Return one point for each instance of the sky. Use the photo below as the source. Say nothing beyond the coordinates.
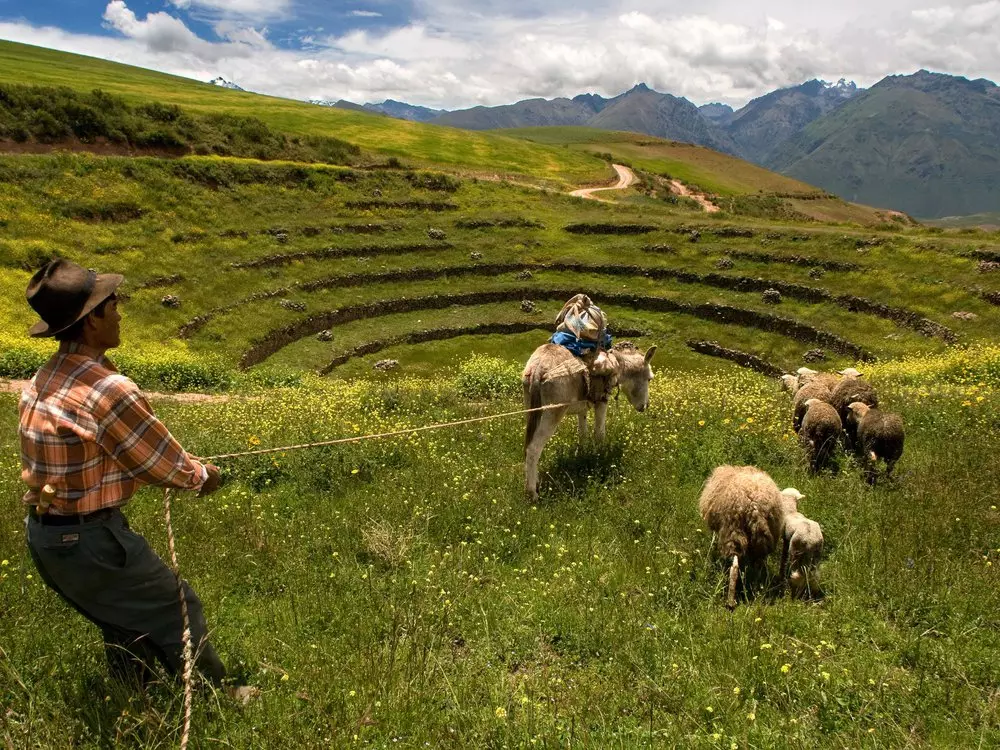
(461, 53)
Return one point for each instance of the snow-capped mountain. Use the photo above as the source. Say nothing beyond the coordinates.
(223, 83)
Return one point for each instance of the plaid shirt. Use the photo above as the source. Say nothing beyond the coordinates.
(89, 433)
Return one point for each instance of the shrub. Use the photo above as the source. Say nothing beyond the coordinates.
(483, 377)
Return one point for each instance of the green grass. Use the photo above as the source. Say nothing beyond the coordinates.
(399, 593)
(420, 144)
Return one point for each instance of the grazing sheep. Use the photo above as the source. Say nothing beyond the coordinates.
(813, 389)
(821, 429)
(829, 379)
(790, 383)
(852, 388)
(801, 549)
(742, 506)
(879, 436)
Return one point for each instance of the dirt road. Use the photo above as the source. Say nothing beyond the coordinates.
(626, 177)
(679, 188)
(16, 386)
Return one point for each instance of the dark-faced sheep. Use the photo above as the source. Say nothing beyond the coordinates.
(879, 436)
(801, 549)
(743, 507)
(852, 388)
(821, 431)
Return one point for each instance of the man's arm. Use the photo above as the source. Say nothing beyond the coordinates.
(141, 444)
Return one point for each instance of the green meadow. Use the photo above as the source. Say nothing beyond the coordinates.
(402, 592)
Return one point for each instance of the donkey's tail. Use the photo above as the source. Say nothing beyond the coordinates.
(532, 400)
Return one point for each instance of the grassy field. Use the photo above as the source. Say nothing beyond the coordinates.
(420, 144)
(733, 183)
(402, 593)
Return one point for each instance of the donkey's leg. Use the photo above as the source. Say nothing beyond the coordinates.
(600, 420)
(546, 428)
(581, 423)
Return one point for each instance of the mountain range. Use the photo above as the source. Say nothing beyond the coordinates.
(924, 143)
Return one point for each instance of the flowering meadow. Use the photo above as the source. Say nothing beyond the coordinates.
(403, 593)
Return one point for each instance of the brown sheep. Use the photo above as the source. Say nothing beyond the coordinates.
(829, 379)
(880, 435)
(852, 388)
(821, 430)
(743, 507)
(814, 389)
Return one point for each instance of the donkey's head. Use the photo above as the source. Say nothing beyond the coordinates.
(634, 372)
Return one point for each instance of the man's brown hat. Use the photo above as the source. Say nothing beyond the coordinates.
(62, 292)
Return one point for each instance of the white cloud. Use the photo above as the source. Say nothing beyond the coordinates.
(465, 52)
(366, 14)
(255, 9)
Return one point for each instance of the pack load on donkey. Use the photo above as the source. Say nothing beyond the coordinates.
(582, 327)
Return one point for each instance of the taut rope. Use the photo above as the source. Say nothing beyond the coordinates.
(188, 650)
(396, 433)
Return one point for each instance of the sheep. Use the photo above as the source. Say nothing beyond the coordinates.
(880, 435)
(852, 388)
(814, 389)
(789, 383)
(802, 547)
(821, 429)
(742, 507)
(829, 379)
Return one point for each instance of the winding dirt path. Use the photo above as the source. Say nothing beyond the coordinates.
(16, 386)
(679, 188)
(626, 177)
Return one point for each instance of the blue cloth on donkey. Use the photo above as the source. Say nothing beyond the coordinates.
(581, 327)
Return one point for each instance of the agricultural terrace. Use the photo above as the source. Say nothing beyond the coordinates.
(402, 593)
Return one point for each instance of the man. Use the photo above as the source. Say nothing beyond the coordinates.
(89, 440)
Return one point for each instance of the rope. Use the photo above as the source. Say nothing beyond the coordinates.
(396, 433)
(187, 651)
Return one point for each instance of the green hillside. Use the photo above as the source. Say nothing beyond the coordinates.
(420, 144)
(401, 592)
(744, 185)
(924, 144)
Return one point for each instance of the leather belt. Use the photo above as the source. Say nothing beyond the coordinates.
(48, 519)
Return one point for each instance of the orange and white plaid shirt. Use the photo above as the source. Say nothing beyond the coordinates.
(88, 432)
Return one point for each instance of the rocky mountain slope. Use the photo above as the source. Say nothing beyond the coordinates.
(926, 144)
(770, 120)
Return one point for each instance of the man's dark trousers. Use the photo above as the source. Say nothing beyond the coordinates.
(114, 579)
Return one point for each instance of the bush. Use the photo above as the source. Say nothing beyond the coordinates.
(483, 377)
(57, 114)
(20, 363)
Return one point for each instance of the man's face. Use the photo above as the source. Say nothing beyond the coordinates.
(106, 329)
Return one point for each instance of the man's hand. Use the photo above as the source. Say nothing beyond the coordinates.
(214, 480)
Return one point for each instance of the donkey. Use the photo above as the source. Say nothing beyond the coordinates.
(554, 375)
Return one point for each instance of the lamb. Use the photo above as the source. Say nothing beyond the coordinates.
(880, 435)
(821, 429)
(812, 390)
(743, 507)
(801, 549)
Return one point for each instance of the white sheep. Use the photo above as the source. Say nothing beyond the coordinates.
(743, 507)
(802, 547)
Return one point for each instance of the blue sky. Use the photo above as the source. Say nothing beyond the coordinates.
(457, 53)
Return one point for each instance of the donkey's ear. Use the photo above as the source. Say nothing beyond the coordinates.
(649, 353)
